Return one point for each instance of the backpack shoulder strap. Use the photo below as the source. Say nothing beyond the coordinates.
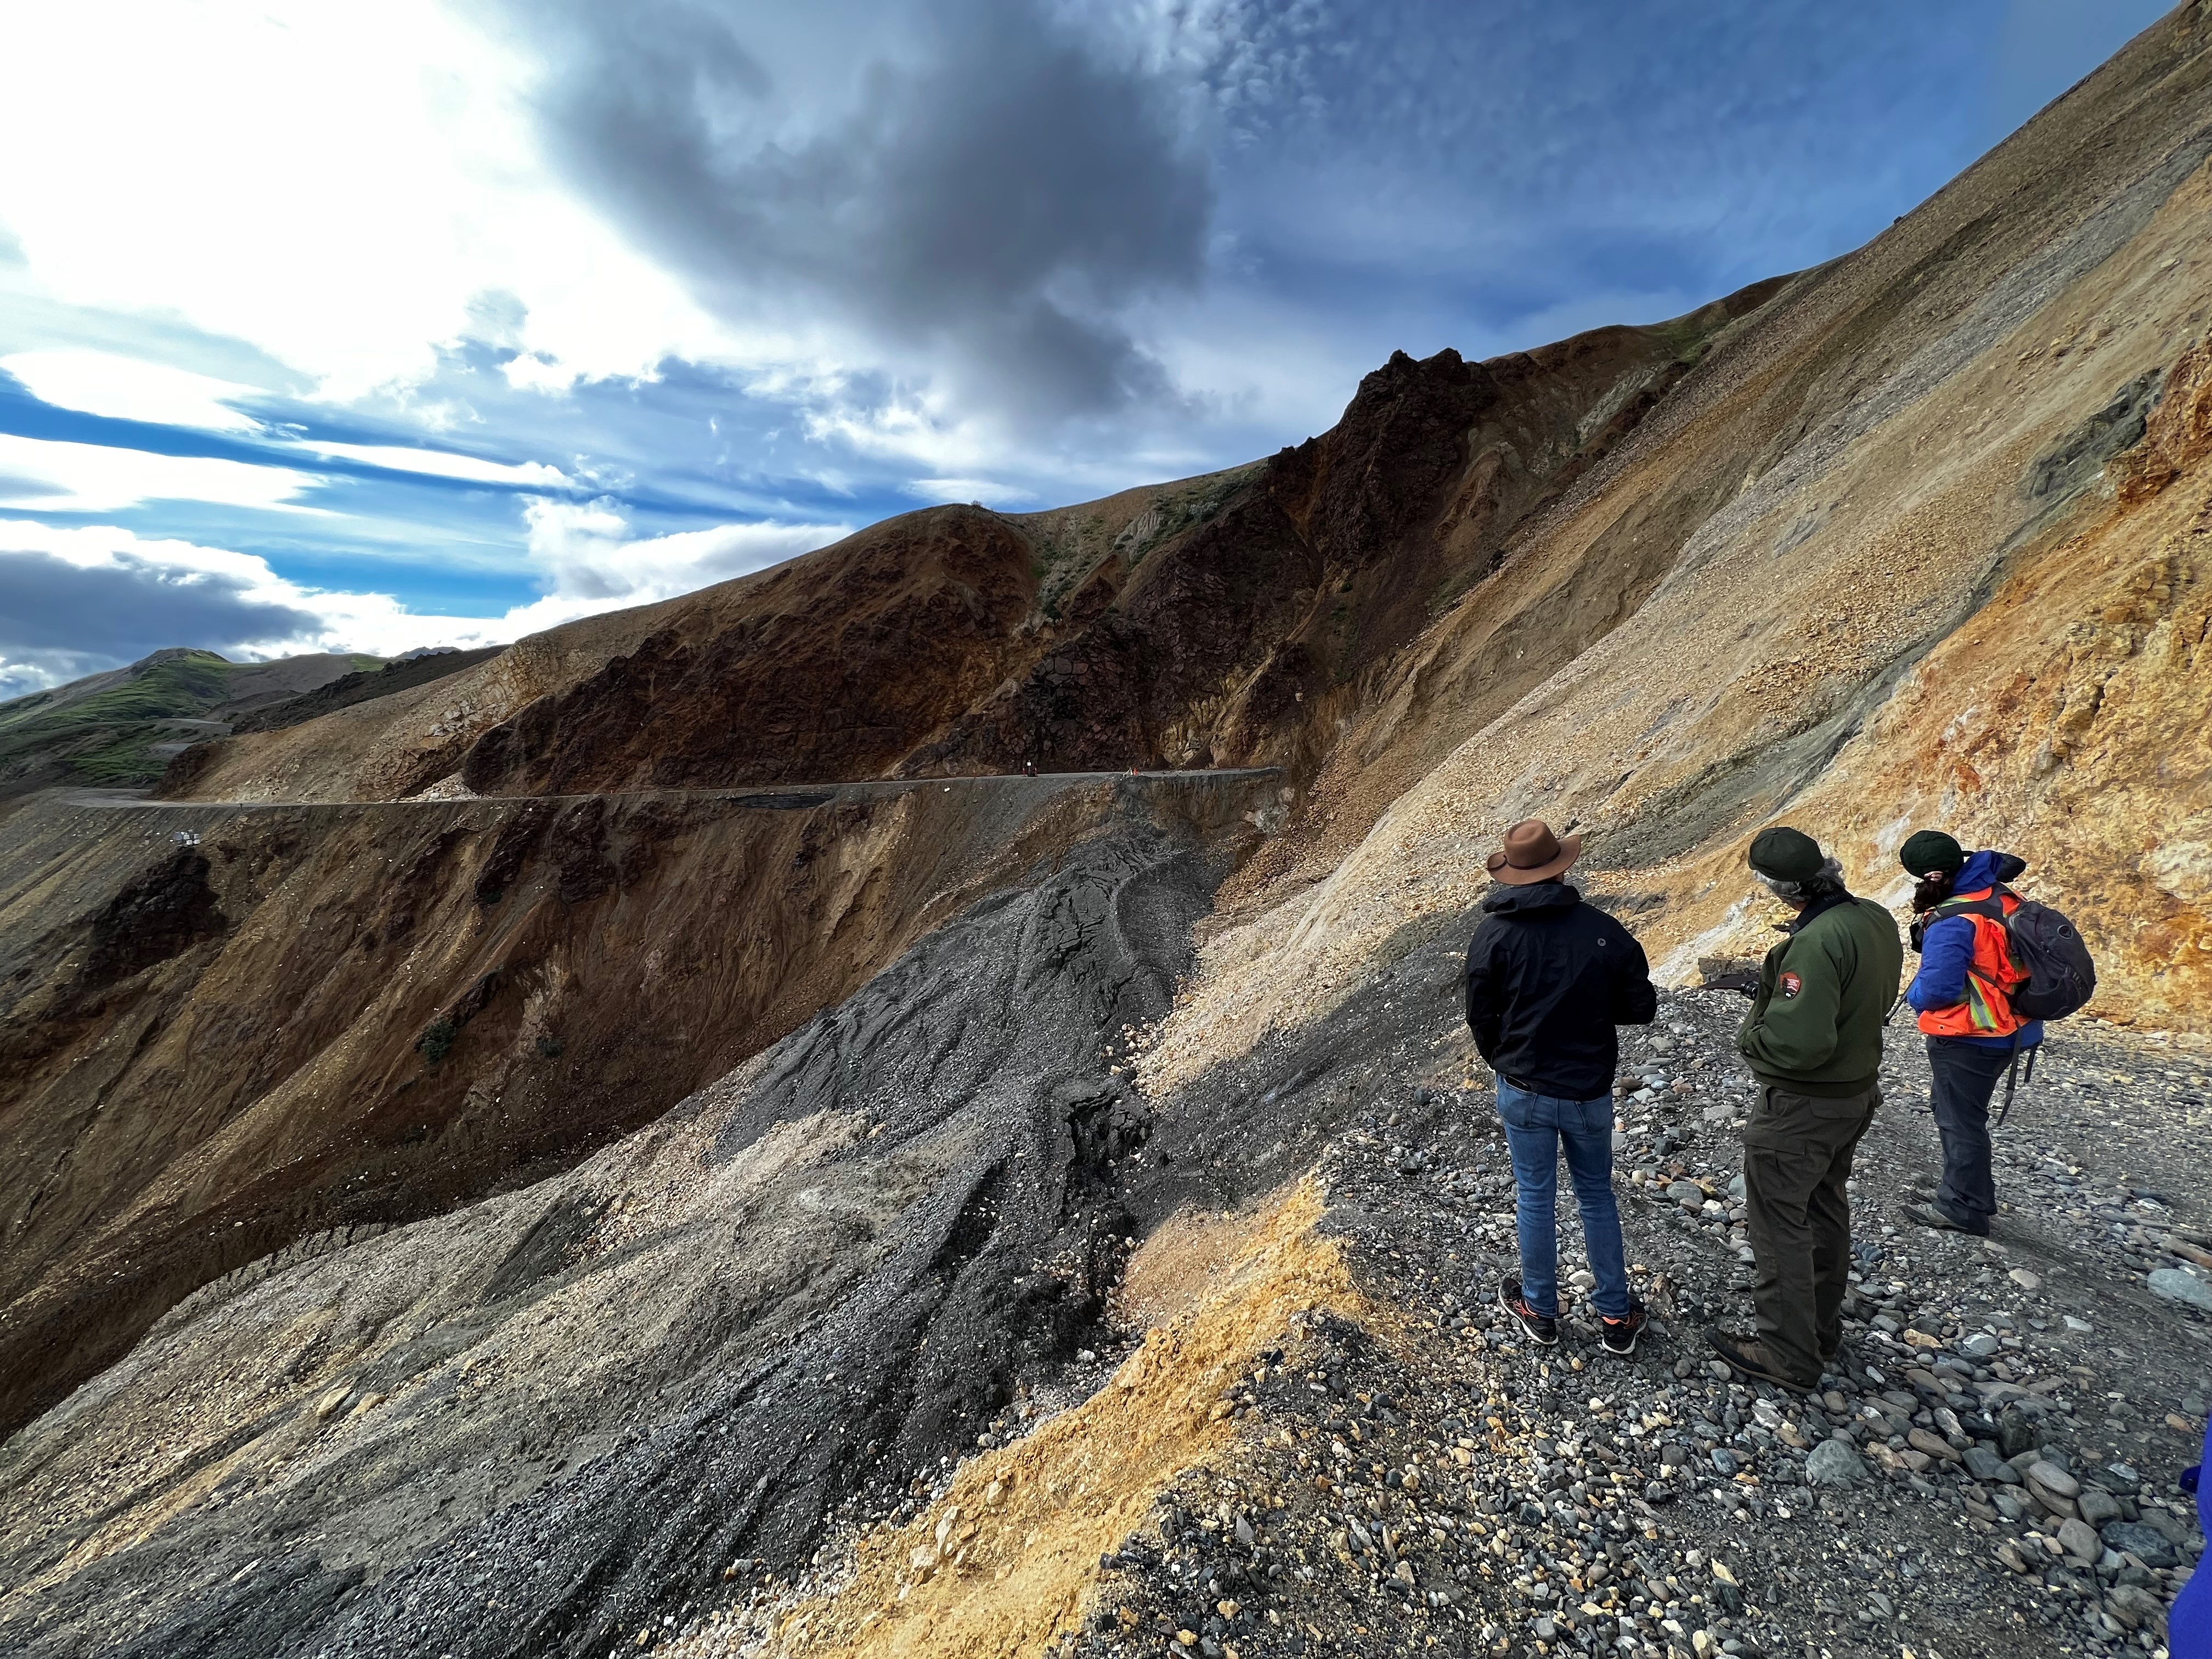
(1991, 907)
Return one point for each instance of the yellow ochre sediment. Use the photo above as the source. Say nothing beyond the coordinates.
(1006, 1558)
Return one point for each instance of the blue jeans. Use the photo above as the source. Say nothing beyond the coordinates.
(1538, 1128)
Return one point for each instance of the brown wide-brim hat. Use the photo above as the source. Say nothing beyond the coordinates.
(1532, 852)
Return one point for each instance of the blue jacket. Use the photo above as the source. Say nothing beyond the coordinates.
(2189, 1623)
(1947, 946)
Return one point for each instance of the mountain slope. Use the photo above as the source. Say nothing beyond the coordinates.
(121, 728)
(364, 686)
(1931, 443)
(1199, 622)
(904, 1069)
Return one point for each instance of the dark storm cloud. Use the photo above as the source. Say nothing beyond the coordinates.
(110, 614)
(1001, 195)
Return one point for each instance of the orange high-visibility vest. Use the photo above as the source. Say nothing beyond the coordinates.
(1991, 976)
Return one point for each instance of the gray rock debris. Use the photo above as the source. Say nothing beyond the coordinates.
(591, 1394)
(2179, 1284)
(1833, 1463)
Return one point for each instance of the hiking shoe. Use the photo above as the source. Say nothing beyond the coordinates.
(1619, 1335)
(1929, 1215)
(1750, 1359)
(1543, 1329)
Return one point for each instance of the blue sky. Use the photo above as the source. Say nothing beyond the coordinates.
(444, 320)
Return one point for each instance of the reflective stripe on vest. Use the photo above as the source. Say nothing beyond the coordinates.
(1986, 1010)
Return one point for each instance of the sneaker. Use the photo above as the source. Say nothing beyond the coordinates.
(1619, 1335)
(1750, 1359)
(1543, 1329)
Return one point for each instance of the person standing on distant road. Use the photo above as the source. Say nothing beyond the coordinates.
(1548, 978)
(1813, 1040)
(1962, 996)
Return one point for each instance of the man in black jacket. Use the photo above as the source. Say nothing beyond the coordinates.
(1548, 978)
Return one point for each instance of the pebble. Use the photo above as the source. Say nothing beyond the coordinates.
(2025, 1280)
(1933, 1444)
(1986, 1466)
(2053, 1479)
(2175, 1285)
(2080, 1539)
(1834, 1464)
(2152, 1547)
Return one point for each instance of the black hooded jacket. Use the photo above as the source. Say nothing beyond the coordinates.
(1548, 978)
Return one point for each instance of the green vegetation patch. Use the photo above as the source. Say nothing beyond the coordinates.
(103, 739)
(1069, 547)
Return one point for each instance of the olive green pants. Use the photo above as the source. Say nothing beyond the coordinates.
(1796, 1156)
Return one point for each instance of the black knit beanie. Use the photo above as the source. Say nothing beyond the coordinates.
(1927, 851)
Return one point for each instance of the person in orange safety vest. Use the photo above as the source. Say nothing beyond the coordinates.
(1962, 994)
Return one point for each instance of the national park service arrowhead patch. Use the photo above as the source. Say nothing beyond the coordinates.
(1791, 985)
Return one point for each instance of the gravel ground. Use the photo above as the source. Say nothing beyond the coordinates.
(1995, 1467)
(1429, 1482)
(1442, 1484)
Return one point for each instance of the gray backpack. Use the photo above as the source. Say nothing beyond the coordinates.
(2062, 976)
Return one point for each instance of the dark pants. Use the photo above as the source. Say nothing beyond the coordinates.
(1964, 1077)
(1796, 1156)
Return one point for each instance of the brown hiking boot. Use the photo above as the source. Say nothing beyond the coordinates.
(1749, 1358)
(1934, 1215)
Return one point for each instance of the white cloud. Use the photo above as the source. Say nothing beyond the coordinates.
(130, 389)
(532, 371)
(334, 184)
(75, 600)
(42, 475)
(257, 613)
(588, 557)
(442, 464)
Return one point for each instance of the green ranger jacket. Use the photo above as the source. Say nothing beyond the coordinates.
(1823, 995)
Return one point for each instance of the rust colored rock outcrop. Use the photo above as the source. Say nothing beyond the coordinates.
(1219, 621)
(823, 669)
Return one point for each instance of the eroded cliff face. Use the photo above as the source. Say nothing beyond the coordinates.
(1221, 621)
(225, 1030)
(1915, 544)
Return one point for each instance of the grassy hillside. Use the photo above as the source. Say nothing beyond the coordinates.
(119, 730)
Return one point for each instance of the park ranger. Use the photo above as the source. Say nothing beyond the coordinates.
(1813, 1040)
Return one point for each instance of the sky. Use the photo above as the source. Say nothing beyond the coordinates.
(439, 322)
